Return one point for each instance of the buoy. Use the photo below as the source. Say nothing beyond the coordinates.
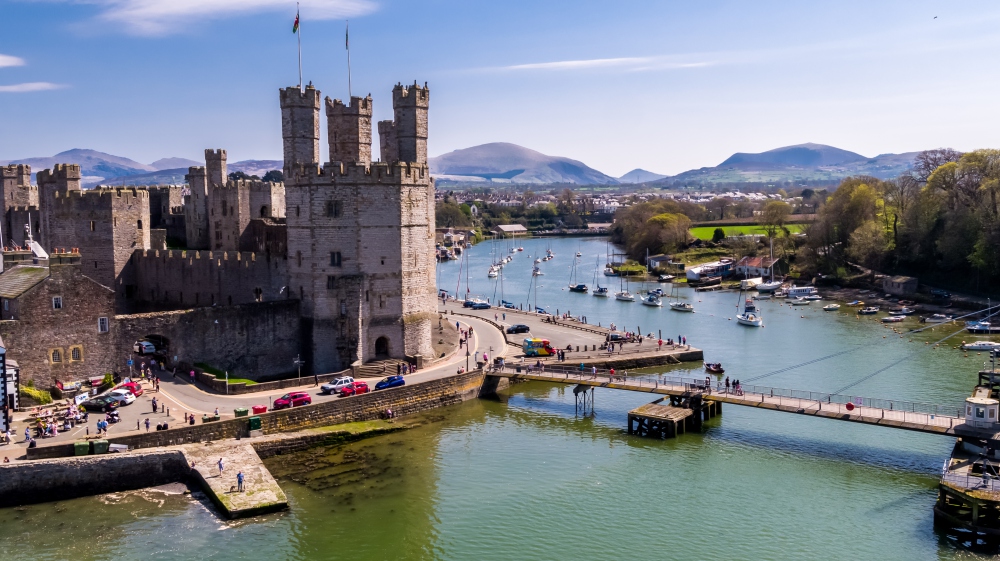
(883, 336)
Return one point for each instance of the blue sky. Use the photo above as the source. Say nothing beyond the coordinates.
(666, 86)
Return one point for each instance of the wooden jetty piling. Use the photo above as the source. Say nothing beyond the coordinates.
(685, 412)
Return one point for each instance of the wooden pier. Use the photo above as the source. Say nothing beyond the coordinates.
(685, 412)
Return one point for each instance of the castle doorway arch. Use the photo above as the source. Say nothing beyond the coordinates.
(382, 347)
(265, 212)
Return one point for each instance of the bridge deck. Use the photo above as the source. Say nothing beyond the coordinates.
(887, 413)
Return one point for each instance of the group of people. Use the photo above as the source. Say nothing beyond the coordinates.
(404, 368)
(737, 387)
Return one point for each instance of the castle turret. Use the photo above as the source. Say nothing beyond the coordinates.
(215, 166)
(349, 130)
(196, 208)
(409, 106)
(300, 127)
(16, 191)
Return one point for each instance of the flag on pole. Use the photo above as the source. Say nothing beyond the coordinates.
(295, 26)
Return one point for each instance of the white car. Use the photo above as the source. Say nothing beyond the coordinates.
(336, 385)
(122, 396)
(144, 347)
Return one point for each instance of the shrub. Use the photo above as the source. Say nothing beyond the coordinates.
(718, 235)
(41, 397)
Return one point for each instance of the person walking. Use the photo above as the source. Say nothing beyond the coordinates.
(154, 405)
(727, 384)
(239, 481)
(221, 467)
(147, 424)
(505, 316)
(192, 376)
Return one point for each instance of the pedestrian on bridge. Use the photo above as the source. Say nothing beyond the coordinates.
(727, 384)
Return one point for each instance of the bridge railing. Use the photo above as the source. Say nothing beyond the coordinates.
(969, 481)
(897, 409)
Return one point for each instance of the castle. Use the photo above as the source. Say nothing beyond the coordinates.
(335, 265)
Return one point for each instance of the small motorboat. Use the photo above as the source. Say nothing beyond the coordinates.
(578, 254)
(714, 368)
(625, 296)
(937, 318)
(652, 300)
(831, 307)
(980, 346)
(681, 307)
(656, 291)
(609, 271)
(904, 311)
(665, 278)
(536, 272)
(812, 297)
(537, 261)
(800, 302)
(869, 311)
(893, 319)
(856, 303)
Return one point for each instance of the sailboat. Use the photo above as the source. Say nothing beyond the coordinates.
(750, 316)
(652, 299)
(601, 291)
(677, 305)
(573, 285)
(624, 295)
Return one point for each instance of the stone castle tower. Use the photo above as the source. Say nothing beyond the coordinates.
(360, 234)
(16, 192)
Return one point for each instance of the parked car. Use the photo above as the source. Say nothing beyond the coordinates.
(355, 388)
(336, 385)
(390, 382)
(133, 387)
(480, 306)
(102, 404)
(122, 396)
(938, 293)
(518, 328)
(293, 399)
(144, 347)
(508, 305)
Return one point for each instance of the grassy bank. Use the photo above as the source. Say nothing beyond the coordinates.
(706, 232)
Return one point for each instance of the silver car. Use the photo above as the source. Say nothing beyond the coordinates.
(336, 385)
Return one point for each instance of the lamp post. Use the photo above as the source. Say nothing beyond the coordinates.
(298, 364)
(227, 382)
(467, 354)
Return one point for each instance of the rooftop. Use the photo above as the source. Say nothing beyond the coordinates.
(20, 279)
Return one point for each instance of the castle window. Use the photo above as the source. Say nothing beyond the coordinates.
(343, 308)
(296, 211)
(333, 209)
(6, 304)
(56, 356)
(334, 258)
(139, 224)
(103, 326)
(95, 264)
(92, 226)
(223, 210)
(381, 300)
(298, 257)
(57, 302)
(76, 354)
(331, 282)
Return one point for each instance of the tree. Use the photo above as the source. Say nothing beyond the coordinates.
(718, 235)
(868, 245)
(719, 204)
(773, 217)
(450, 215)
(274, 176)
(237, 175)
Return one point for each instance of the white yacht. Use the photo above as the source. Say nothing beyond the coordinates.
(766, 287)
(800, 302)
(625, 296)
(800, 291)
(601, 291)
(609, 271)
(652, 300)
(980, 346)
(938, 318)
(750, 317)
(831, 307)
(681, 307)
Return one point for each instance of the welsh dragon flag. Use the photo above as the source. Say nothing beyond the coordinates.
(295, 26)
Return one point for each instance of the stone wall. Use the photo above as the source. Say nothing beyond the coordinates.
(196, 209)
(405, 400)
(42, 330)
(249, 340)
(37, 482)
(176, 279)
(228, 214)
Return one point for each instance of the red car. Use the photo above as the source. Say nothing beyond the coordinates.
(355, 389)
(294, 399)
(133, 387)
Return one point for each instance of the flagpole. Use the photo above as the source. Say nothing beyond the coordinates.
(347, 43)
(298, 34)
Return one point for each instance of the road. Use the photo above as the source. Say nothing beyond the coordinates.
(181, 397)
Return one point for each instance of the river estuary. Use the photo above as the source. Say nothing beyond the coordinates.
(526, 477)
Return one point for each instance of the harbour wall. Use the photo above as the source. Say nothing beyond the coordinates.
(405, 400)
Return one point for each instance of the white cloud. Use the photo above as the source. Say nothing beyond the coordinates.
(163, 17)
(30, 87)
(7, 60)
(627, 64)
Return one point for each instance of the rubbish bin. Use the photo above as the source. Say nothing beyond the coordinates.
(209, 418)
(241, 411)
(255, 423)
(101, 446)
(258, 409)
(81, 447)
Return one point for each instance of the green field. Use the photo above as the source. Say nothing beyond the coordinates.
(705, 232)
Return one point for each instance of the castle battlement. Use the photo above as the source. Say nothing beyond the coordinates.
(197, 170)
(414, 96)
(101, 196)
(13, 171)
(214, 153)
(182, 254)
(63, 172)
(358, 106)
(375, 172)
(21, 208)
(294, 97)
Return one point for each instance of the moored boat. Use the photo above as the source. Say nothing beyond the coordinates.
(652, 300)
(868, 311)
(601, 291)
(681, 307)
(578, 288)
(714, 368)
(937, 318)
(831, 307)
(980, 346)
(800, 302)
(893, 319)
(625, 296)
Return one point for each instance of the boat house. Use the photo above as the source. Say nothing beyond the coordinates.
(760, 267)
(899, 285)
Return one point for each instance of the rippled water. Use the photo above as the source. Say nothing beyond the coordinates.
(527, 477)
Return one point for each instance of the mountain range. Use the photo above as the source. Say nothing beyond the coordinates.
(505, 163)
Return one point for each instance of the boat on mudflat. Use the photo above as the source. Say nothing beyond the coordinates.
(831, 307)
(869, 311)
(937, 318)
